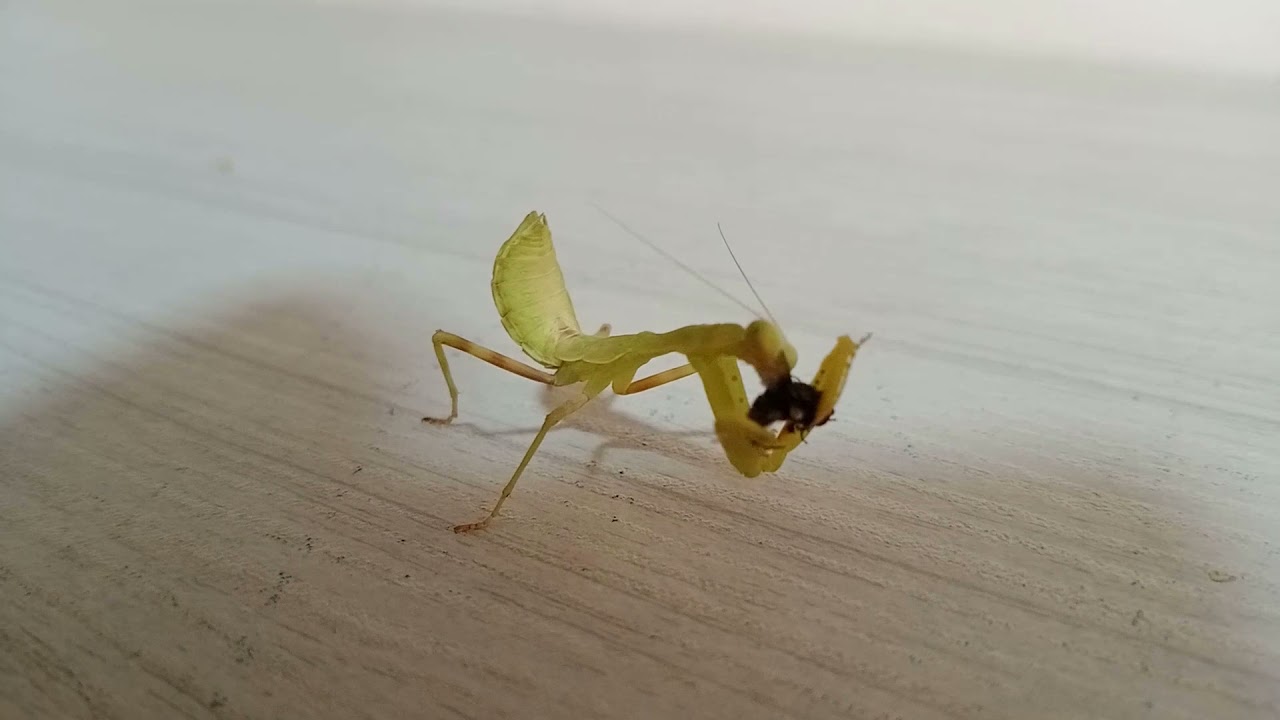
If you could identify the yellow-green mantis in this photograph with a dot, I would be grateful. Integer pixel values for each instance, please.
(533, 303)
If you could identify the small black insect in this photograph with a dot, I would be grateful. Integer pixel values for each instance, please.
(789, 400)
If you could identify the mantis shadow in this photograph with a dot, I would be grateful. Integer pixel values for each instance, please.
(598, 417)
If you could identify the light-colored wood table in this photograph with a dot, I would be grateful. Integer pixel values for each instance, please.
(227, 232)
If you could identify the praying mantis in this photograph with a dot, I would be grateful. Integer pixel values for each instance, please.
(534, 306)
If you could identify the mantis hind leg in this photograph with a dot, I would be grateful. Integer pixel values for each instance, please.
(555, 416)
(560, 413)
(441, 338)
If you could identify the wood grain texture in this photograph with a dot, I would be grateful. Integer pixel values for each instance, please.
(229, 230)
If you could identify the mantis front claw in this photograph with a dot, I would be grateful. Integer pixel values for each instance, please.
(746, 444)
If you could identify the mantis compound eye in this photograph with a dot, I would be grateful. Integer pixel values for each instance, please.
(788, 400)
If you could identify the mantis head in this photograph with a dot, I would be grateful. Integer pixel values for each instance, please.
(767, 350)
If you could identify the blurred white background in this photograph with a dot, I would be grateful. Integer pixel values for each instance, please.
(1227, 35)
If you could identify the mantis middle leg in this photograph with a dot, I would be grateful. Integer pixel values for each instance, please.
(749, 447)
(657, 380)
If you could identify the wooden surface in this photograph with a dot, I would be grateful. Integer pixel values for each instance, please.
(228, 232)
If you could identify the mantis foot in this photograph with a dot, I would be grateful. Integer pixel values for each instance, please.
(453, 413)
(468, 527)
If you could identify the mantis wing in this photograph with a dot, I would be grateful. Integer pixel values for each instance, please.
(529, 292)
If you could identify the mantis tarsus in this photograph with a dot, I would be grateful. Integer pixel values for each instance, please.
(529, 291)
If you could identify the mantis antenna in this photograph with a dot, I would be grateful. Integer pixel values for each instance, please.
(772, 319)
(682, 266)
